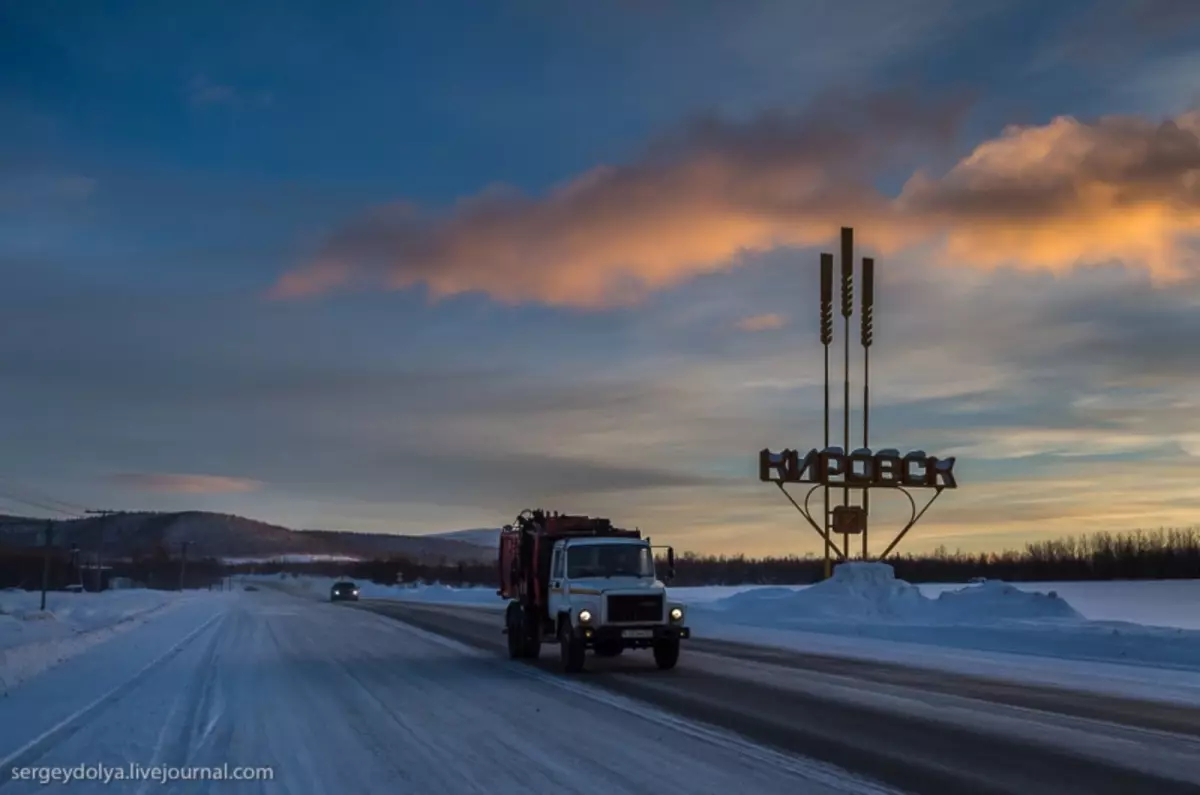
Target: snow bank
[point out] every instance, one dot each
(993, 600)
(1156, 603)
(447, 595)
(21, 618)
(869, 592)
(866, 601)
(32, 640)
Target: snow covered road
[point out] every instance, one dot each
(334, 700)
(919, 730)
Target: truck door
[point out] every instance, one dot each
(558, 582)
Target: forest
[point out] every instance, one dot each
(1167, 553)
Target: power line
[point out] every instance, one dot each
(41, 496)
(7, 494)
(23, 505)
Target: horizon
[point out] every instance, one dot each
(387, 270)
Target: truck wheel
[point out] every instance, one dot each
(666, 653)
(516, 632)
(571, 649)
(533, 637)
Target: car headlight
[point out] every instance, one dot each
(585, 616)
(676, 614)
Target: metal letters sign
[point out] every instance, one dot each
(855, 473)
(861, 469)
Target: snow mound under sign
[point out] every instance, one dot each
(870, 593)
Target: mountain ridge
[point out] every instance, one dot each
(218, 535)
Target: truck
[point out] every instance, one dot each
(588, 585)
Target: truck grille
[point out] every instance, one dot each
(631, 608)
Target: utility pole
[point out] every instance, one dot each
(76, 565)
(46, 560)
(100, 547)
(183, 564)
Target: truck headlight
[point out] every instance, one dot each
(676, 614)
(585, 616)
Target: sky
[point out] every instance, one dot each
(416, 267)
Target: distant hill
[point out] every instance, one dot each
(213, 535)
(480, 536)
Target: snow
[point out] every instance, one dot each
(335, 699)
(1161, 603)
(860, 593)
(990, 628)
(32, 640)
(865, 600)
(1156, 603)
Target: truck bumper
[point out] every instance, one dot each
(632, 637)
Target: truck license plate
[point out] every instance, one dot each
(638, 633)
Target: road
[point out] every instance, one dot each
(919, 731)
(338, 700)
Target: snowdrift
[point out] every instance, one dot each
(32, 639)
(869, 592)
(866, 602)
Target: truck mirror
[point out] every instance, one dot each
(670, 563)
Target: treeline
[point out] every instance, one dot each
(1162, 554)
(391, 571)
(25, 567)
(1142, 554)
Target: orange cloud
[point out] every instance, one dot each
(766, 322)
(315, 279)
(1051, 196)
(1068, 193)
(187, 484)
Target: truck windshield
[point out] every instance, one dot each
(609, 560)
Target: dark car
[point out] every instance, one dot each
(343, 590)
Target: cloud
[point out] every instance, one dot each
(314, 279)
(696, 200)
(1068, 192)
(186, 484)
(1054, 196)
(767, 322)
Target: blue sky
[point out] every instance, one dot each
(416, 267)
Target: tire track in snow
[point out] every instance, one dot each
(818, 772)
